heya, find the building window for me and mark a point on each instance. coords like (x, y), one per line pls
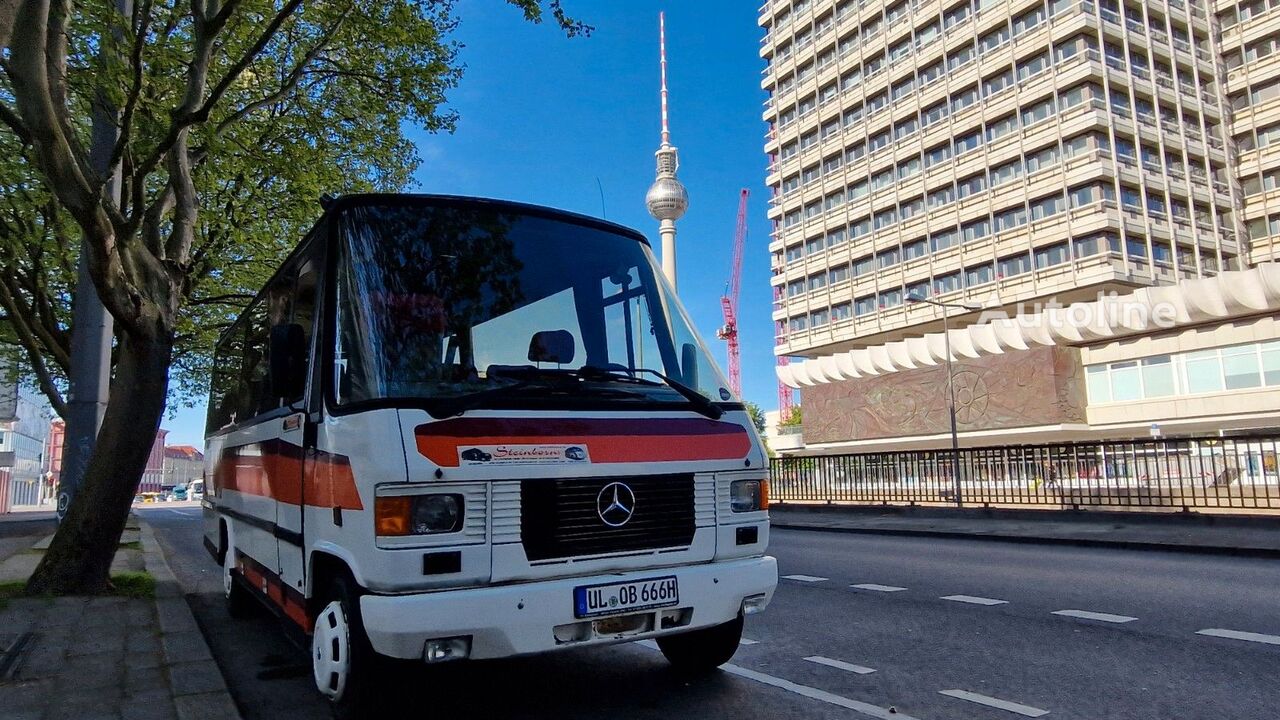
(1055, 254)
(890, 299)
(1240, 367)
(979, 275)
(946, 283)
(1203, 371)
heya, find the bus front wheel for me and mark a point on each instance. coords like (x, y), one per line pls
(342, 660)
(701, 651)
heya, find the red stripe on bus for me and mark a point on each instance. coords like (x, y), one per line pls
(606, 440)
(275, 469)
(290, 601)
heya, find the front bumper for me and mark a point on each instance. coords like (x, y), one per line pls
(538, 616)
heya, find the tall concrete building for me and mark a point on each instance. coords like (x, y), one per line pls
(1011, 155)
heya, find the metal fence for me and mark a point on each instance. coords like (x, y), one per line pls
(1221, 473)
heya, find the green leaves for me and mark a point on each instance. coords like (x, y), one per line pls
(319, 106)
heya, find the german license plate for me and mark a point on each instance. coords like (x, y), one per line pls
(610, 598)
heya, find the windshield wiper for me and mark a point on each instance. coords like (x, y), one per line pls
(444, 407)
(540, 380)
(701, 404)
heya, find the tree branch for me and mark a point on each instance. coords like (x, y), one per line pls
(291, 79)
(11, 119)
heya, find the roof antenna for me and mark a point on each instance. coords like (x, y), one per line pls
(600, 187)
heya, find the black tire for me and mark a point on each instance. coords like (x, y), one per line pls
(701, 651)
(360, 686)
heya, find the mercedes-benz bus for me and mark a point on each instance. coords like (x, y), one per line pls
(454, 428)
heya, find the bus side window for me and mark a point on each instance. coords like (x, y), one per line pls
(302, 313)
(224, 384)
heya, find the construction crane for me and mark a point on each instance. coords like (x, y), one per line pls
(785, 400)
(729, 302)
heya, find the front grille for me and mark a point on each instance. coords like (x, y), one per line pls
(559, 518)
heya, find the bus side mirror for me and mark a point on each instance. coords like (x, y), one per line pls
(288, 361)
(689, 364)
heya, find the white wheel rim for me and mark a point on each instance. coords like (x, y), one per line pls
(331, 651)
(228, 562)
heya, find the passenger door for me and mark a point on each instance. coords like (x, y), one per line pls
(294, 460)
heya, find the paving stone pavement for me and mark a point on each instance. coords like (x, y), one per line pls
(113, 658)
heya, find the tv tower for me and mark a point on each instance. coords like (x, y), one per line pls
(667, 199)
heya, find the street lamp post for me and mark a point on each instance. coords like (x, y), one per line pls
(951, 387)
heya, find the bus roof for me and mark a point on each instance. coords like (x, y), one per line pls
(359, 199)
(335, 205)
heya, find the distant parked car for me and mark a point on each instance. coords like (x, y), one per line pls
(179, 492)
(196, 490)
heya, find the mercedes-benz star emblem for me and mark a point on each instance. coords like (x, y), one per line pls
(615, 504)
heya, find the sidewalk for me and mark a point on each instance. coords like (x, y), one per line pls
(122, 658)
(1212, 534)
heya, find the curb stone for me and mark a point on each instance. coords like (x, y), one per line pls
(1037, 540)
(197, 687)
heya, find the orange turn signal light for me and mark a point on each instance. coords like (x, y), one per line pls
(764, 494)
(391, 515)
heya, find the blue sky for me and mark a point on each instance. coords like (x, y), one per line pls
(544, 117)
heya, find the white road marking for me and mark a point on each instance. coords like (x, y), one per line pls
(1012, 707)
(179, 512)
(878, 588)
(745, 641)
(974, 600)
(840, 665)
(1104, 617)
(812, 693)
(1241, 635)
(805, 578)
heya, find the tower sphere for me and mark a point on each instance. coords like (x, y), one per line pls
(667, 199)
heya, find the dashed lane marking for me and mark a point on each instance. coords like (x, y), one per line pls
(840, 665)
(745, 641)
(1013, 707)
(972, 600)
(1241, 635)
(878, 588)
(812, 693)
(1103, 617)
(179, 512)
(805, 578)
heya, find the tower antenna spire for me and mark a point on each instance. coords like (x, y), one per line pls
(662, 62)
(667, 199)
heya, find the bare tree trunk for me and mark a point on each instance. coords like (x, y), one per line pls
(8, 9)
(79, 559)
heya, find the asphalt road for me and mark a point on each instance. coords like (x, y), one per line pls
(974, 620)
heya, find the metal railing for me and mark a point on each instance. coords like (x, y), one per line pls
(1184, 474)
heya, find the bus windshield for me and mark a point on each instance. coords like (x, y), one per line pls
(444, 300)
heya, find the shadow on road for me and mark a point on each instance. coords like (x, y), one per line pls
(270, 677)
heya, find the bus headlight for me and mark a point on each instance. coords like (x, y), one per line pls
(749, 495)
(400, 515)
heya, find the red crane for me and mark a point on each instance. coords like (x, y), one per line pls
(729, 302)
(785, 400)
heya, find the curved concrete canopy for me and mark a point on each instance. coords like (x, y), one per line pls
(1230, 294)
